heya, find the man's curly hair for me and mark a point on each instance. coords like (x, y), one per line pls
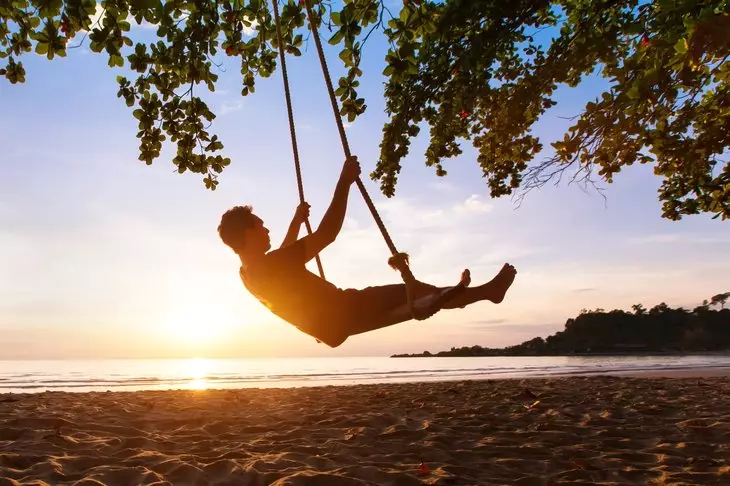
(233, 226)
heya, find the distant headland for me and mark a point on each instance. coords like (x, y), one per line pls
(659, 330)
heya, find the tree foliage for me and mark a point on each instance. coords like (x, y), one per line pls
(720, 299)
(483, 71)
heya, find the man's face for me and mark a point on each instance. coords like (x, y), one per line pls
(257, 236)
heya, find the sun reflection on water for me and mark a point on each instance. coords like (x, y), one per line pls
(197, 373)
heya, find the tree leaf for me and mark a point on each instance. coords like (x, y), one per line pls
(681, 46)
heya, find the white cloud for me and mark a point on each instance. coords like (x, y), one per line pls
(411, 215)
(357, 259)
(251, 30)
(98, 17)
(442, 185)
(229, 106)
(435, 241)
(351, 223)
(473, 204)
(433, 216)
(440, 237)
(423, 214)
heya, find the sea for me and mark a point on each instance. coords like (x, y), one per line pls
(199, 373)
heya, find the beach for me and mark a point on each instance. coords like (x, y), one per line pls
(579, 430)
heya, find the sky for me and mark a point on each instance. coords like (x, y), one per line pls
(105, 257)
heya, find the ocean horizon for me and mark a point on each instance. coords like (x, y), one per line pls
(33, 376)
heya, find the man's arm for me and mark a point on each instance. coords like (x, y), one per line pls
(300, 216)
(333, 218)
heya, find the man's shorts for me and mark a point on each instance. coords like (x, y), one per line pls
(357, 306)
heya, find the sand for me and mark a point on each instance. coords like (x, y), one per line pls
(577, 431)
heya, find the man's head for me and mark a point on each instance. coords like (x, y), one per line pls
(243, 231)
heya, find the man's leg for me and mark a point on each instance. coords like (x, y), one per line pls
(494, 290)
(373, 306)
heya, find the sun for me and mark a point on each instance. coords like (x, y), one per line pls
(206, 325)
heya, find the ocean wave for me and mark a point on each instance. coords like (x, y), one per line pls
(329, 371)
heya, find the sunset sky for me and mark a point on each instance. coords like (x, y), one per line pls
(103, 256)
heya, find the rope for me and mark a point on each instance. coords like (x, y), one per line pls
(397, 260)
(343, 136)
(292, 129)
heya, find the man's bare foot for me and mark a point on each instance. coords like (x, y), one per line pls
(499, 285)
(465, 278)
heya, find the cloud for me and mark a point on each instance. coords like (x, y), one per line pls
(442, 185)
(250, 30)
(586, 289)
(486, 322)
(98, 17)
(473, 204)
(230, 106)
(358, 258)
(427, 213)
(440, 239)
(435, 216)
(350, 223)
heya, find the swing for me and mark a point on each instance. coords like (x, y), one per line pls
(418, 309)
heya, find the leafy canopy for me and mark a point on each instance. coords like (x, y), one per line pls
(478, 70)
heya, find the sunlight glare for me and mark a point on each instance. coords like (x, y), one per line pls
(194, 323)
(196, 370)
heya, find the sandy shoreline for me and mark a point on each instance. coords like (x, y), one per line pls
(686, 373)
(715, 371)
(582, 430)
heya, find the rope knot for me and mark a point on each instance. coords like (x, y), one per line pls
(399, 261)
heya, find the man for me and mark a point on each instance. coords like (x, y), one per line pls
(280, 280)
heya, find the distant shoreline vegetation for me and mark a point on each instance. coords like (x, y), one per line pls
(659, 330)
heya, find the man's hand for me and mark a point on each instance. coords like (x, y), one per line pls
(301, 214)
(300, 217)
(350, 170)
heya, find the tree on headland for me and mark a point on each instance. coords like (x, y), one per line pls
(659, 309)
(705, 306)
(638, 309)
(720, 299)
(480, 71)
